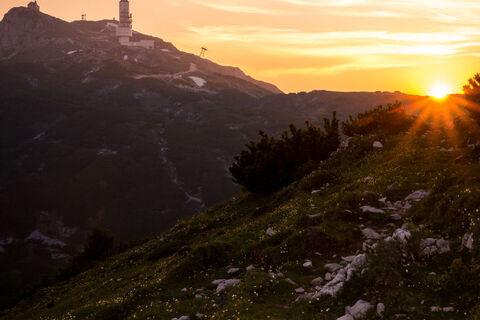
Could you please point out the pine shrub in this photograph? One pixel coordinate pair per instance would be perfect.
(272, 163)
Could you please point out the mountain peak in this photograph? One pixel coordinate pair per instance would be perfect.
(30, 35)
(26, 27)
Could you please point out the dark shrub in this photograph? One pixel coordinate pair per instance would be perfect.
(270, 163)
(380, 120)
(472, 93)
(98, 245)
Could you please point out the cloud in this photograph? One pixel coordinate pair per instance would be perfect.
(284, 36)
(229, 7)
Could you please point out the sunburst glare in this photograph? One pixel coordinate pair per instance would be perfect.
(440, 91)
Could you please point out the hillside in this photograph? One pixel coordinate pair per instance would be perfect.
(129, 139)
(385, 228)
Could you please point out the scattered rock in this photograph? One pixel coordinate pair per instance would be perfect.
(369, 209)
(270, 232)
(401, 236)
(367, 179)
(233, 270)
(291, 281)
(359, 309)
(396, 217)
(448, 309)
(348, 259)
(345, 143)
(199, 315)
(218, 281)
(184, 290)
(431, 246)
(308, 264)
(316, 191)
(371, 234)
(316, 282)
(435, 309)
(328, 276)
(198, 296)
(378, 145)
(250, 267)
(182, 318)
(343, 275)
(467, 241)
(332, 267)
(380, 309)
(299, 290)
(417, 195)
(223, 284)
(346, 317)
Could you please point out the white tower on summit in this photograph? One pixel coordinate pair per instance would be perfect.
(124, 29)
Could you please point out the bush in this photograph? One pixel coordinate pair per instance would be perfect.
(380, 120)
(272, 163)
(472, 94)
(98, 245)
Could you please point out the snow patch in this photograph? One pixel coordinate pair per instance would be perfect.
(198, 81)
(37, 236)
(38, 136)
(192, 198)
(106, 152)
(72, 52)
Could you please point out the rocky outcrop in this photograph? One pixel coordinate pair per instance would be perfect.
(23, 28)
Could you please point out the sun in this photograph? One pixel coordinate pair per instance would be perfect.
(440, 91)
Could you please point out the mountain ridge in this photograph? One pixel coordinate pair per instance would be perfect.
(93, 134)
(23, 29)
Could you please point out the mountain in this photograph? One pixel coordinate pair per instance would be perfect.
(386, 228)
(125, 138)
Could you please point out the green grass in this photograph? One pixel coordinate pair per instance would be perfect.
(146, 282)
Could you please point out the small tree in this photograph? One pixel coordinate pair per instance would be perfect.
(472, 93)
(98, 245)
(272, 163)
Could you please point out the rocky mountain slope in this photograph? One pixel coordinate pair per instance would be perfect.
(130, 139)
(386, 228)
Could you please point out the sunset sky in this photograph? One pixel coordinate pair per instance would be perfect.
(302, 45)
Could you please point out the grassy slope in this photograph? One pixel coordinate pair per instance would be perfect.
(146, 281)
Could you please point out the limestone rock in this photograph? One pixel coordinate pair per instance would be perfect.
(359, 309)
(317, 282)
(378, 145)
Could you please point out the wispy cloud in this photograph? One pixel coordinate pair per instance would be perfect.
(238, 8)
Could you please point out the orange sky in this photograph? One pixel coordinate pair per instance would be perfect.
(303, 45)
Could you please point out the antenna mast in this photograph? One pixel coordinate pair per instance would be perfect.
(203, 50)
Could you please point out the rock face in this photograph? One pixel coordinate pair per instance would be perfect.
(24, 27)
